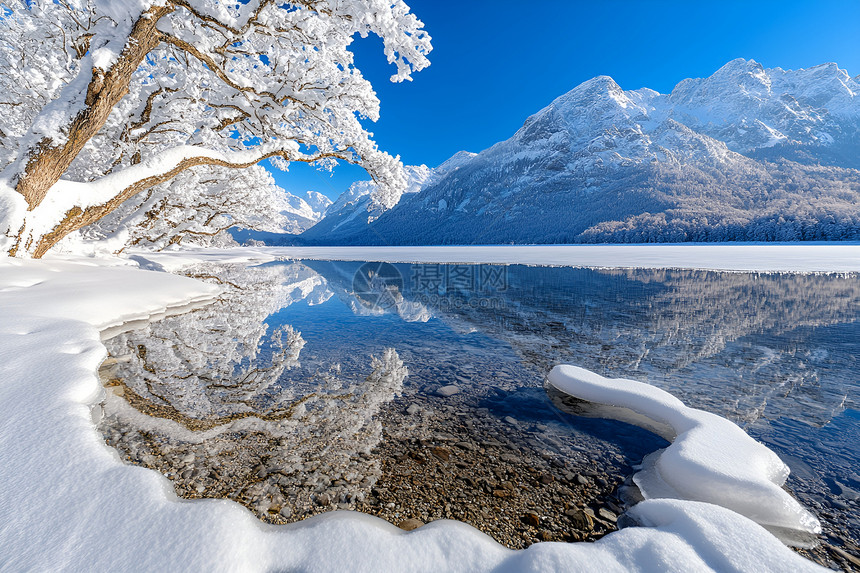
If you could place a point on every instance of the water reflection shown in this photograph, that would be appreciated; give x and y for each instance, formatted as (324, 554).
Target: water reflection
(774, 352)
(746, 338)
(199, 397)
(273, 389)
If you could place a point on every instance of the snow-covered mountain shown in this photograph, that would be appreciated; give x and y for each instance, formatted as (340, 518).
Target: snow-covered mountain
(318, 202)
(747, 153)
(811, 113)
(352, 211)
(297, 214)
(301, 213)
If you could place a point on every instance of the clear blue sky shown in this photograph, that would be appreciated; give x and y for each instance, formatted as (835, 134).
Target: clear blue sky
(496, 62)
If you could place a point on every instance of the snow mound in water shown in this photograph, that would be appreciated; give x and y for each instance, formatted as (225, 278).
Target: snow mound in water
(710, 459)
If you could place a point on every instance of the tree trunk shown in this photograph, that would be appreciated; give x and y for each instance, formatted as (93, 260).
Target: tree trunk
(47, 162)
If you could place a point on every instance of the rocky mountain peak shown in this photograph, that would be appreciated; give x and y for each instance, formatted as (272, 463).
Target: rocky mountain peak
(720, 157)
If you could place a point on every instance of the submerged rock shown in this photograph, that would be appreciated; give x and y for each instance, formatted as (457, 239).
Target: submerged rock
(448, 391)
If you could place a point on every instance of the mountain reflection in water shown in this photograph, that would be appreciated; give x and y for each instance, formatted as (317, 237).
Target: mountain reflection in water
(280, 383)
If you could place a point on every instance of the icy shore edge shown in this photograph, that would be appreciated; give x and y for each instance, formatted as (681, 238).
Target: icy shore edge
(68, 502)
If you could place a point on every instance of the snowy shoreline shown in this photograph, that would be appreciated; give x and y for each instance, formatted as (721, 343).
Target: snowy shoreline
(107, 515)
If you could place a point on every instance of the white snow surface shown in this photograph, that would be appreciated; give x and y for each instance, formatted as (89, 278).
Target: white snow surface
(69, 504)
(711, 459)
(318, 202)
(752, 257)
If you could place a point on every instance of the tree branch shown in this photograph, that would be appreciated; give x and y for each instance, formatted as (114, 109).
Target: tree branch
(210, 63)
(139, 178)
(49, 160)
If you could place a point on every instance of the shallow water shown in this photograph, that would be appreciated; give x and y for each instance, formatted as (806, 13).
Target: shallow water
(275, 385)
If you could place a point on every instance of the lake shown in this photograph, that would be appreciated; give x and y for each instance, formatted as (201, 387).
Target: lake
(416, 391)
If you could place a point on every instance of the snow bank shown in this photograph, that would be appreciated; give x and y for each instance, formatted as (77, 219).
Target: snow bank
(174, 260)
(710, 459)
(101, 292)
(68, 503)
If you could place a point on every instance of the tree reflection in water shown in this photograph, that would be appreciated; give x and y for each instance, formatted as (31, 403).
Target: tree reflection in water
(200, 398)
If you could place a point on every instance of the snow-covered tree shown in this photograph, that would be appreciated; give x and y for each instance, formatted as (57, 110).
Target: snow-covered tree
(195, 208)
(104, 100)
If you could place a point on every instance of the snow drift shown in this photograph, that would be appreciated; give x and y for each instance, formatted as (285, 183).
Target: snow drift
(710, 459)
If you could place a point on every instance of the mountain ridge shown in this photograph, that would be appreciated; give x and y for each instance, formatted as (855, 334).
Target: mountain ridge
(747, 153)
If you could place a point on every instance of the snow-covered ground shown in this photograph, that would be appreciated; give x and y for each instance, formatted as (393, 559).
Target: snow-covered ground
(764, 257)
(68, 503)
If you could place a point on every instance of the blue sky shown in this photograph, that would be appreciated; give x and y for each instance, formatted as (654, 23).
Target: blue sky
(494, 63)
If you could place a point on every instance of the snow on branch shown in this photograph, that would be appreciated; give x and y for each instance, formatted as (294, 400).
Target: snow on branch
(112, 98)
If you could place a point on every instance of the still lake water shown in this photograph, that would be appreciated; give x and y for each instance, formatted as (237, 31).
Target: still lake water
(295, 359)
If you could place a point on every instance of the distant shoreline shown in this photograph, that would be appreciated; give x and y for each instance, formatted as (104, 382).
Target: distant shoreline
(830, 257)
